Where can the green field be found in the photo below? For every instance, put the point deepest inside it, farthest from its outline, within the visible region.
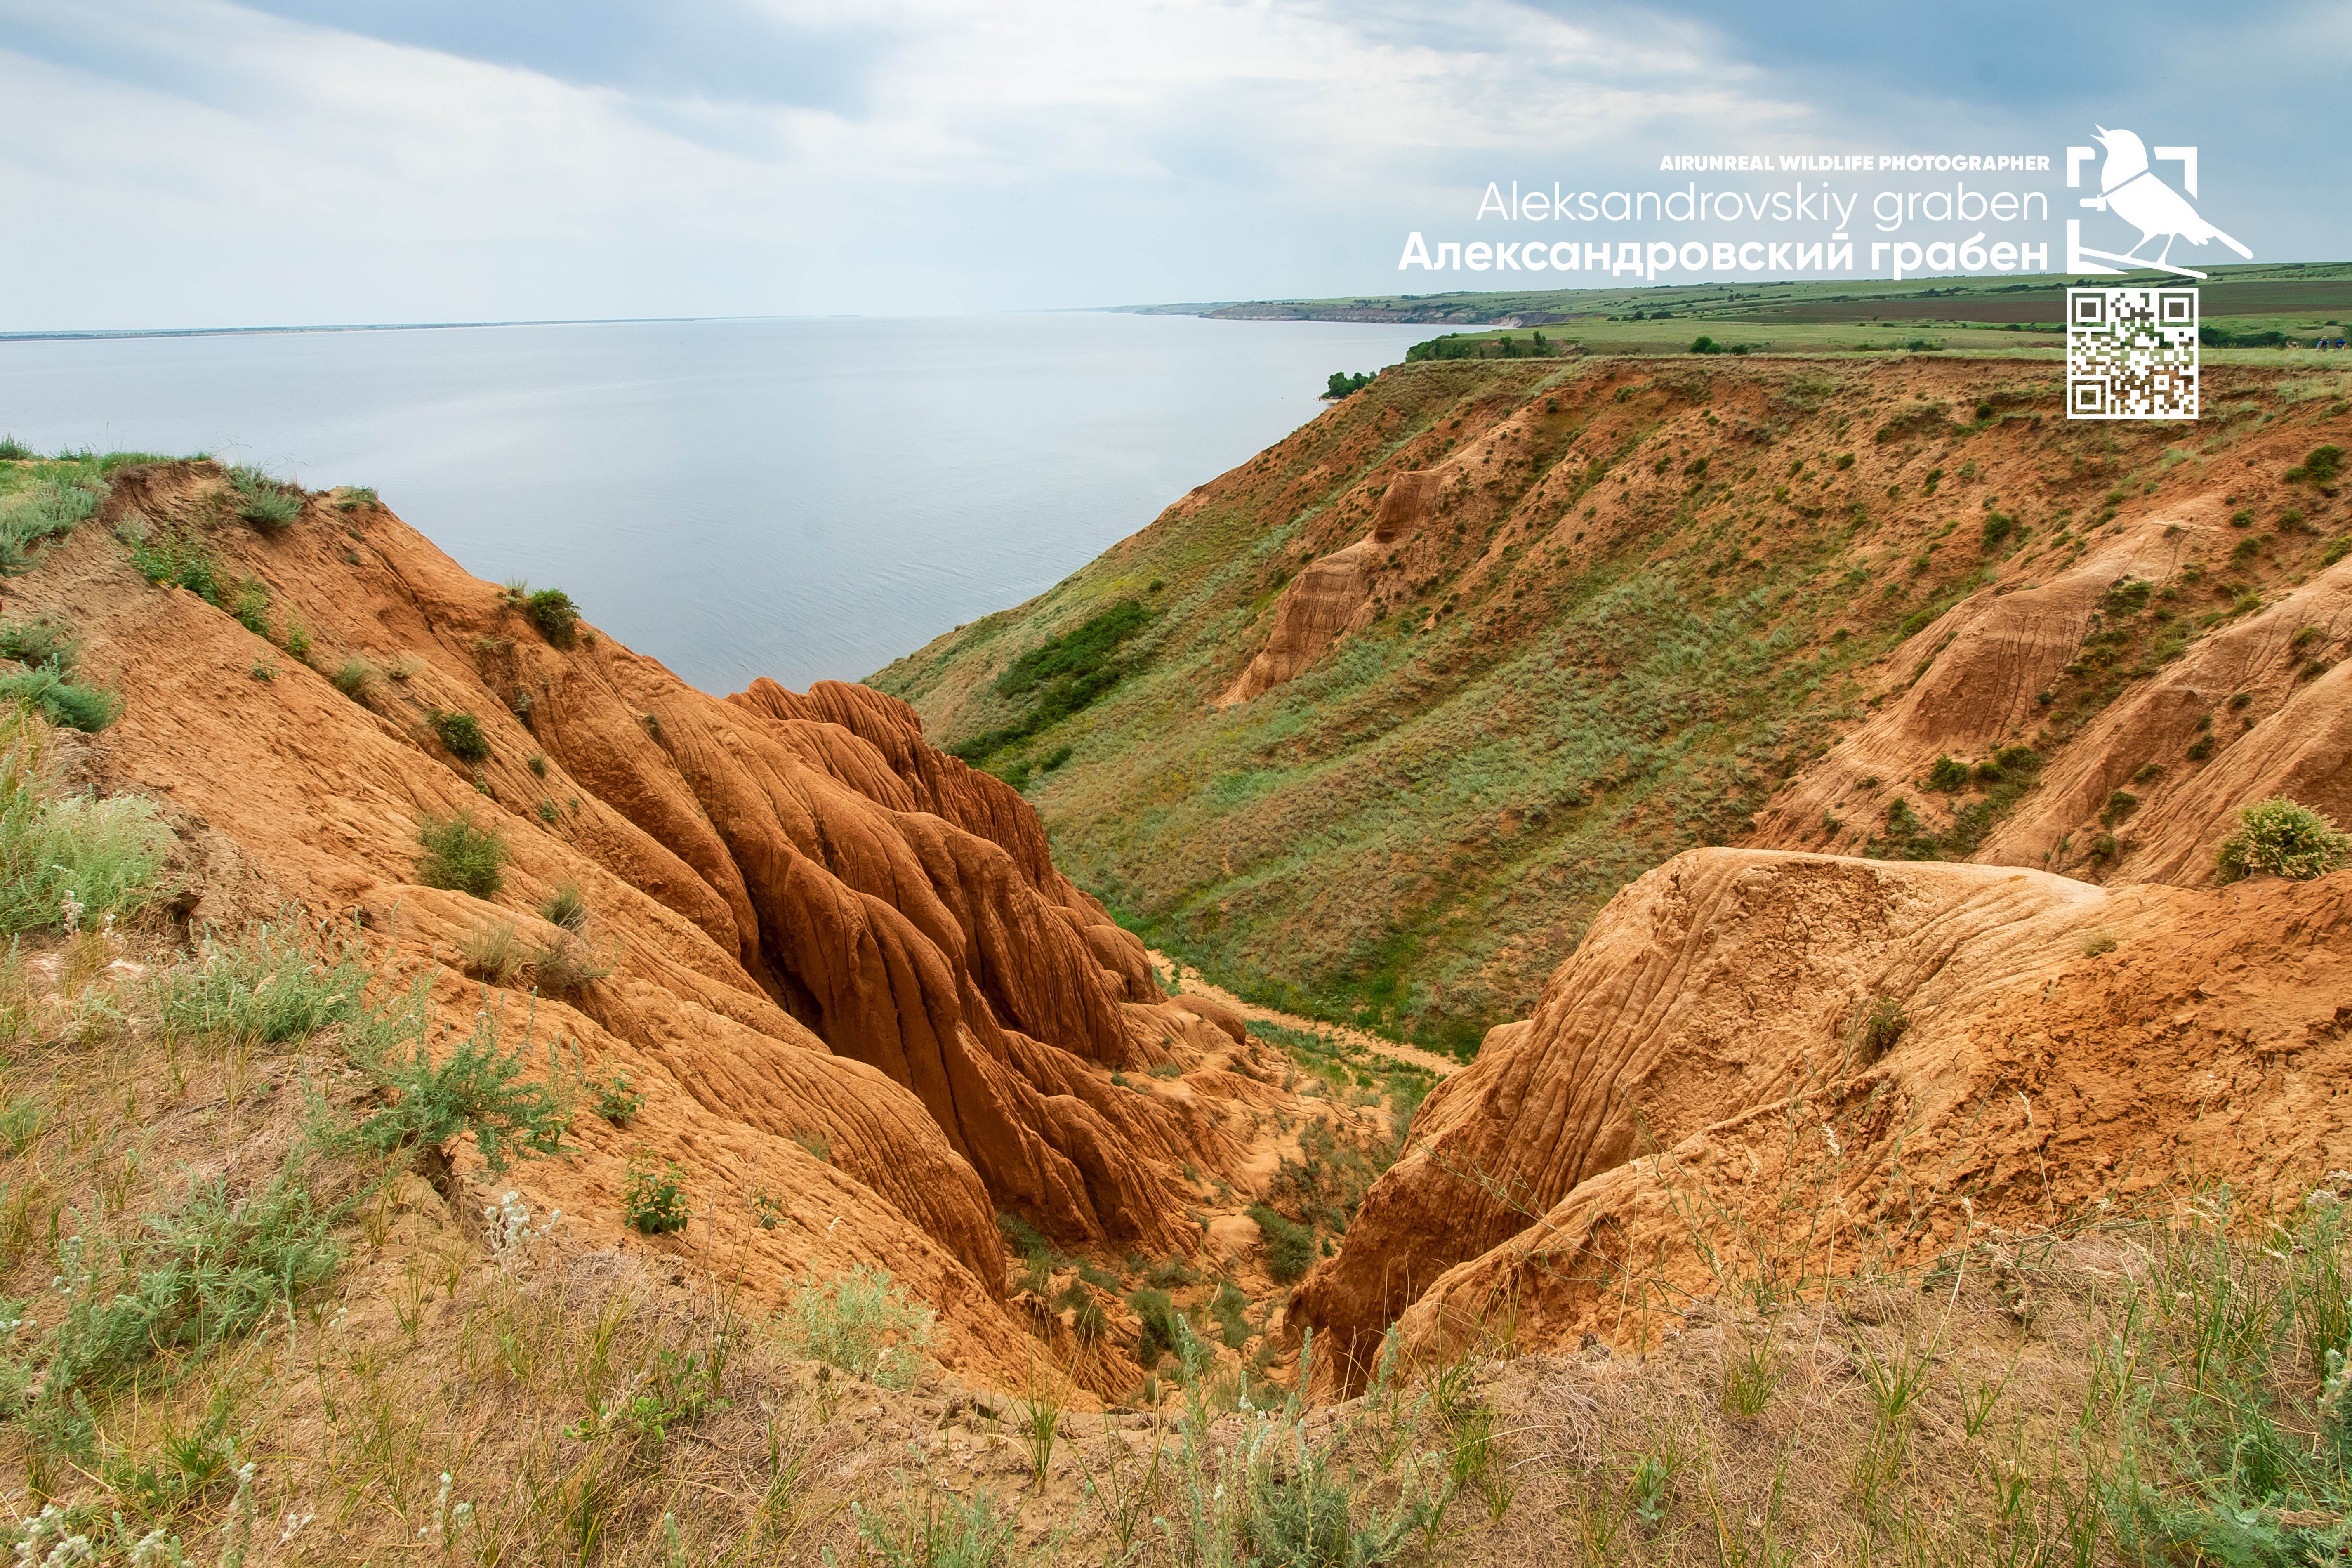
(1833, 316)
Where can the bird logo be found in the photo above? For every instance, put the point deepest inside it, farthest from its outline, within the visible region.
(2130, 188)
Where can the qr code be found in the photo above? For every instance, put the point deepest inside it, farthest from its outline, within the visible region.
(2131, 354)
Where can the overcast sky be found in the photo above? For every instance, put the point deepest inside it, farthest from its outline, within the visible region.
(184, 163)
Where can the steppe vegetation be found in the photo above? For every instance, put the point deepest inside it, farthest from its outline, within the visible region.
(1647, 598)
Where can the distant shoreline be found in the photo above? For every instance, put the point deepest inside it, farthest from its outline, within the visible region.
(99, 334)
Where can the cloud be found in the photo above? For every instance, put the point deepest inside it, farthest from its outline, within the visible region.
(201, 162)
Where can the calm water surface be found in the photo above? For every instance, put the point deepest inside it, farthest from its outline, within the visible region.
(798, 499)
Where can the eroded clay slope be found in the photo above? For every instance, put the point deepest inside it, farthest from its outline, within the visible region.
(1700, 1080)
(844, 971)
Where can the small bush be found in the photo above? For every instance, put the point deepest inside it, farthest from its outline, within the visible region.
(479, 1089)
(560, 966)
(460, 856)
(933, 1533)
(49, 510)
(1157, 1336)
(462, 733)
(489, 952)
(1882, 1024)
(859, 1323)
(270, 988)
(172, 558)
(652, 1201)
(1228, 1309)
(2319, 468)
(1947, 775)
(14, 451)
(554, 613)
(269, 505)
(41, 641)
(616, 1101)
(2283, 838)
(565, 907)
(59, 700)
(353, 676)
(270, 511)
(1087, 1320)
(208, 1272)
(1289, 1246)
(69, 860)
(351, 497)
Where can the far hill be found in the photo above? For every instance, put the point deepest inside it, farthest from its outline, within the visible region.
(2240, 301)
(1373, 725)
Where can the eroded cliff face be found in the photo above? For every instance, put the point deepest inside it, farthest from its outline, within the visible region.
(845, 971)
(1702, 1091)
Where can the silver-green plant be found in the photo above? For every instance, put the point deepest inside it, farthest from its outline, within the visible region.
(860, 1323)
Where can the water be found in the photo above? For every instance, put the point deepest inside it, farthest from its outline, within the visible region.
(797, 498)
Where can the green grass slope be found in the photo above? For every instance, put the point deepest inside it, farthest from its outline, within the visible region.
(1649, 593)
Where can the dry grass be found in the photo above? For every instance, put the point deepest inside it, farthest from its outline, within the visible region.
(2090, 1398)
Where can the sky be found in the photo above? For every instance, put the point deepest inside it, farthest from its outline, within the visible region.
(200, 163)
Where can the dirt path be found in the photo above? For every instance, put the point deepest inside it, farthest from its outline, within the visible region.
(1192, 981)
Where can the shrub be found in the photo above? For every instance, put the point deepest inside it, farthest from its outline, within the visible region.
(1882, 1024)
(47, 510)
(73, 858)
(268, 505)
(2285, 840)
(1157, 1335)
(59, 700)
(1228, 1309)
(208, 1272)
(14, 451)
(1088, 1322)
(269, 512)
(480, 1088)
(554, 613)
(488, 953)
(353, 676)
(1289, 1246)
(41, 641)
(615, 1100)
(859, 1323)
(565, 907)
(1947, 775)
(2319, 468)
(172, 558)
(932, 1533)
(652, 1201)
(460, 856)
(462, 733)
(351, 497)
(270, 988)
